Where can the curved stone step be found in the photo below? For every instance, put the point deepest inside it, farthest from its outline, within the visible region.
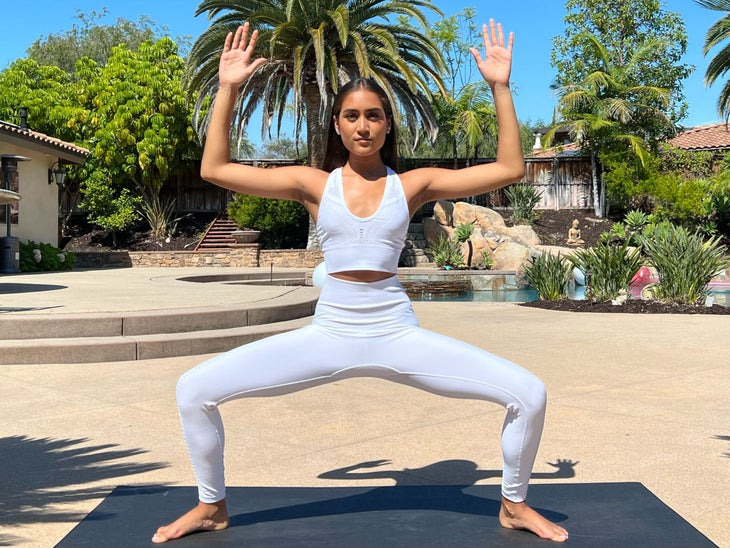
(147, 322)
(137, 347)
(147, 334)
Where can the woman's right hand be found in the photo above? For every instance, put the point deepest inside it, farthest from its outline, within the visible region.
(236, 63)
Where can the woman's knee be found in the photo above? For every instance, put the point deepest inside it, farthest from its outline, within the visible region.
(534, 395)
(191, 391)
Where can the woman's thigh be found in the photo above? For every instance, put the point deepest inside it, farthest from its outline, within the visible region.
(276, 365)
(453, 368)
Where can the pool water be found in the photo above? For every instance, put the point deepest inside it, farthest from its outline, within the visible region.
(522, 295)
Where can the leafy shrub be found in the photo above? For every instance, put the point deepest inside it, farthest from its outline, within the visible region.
(550, 276)
(685, 264)
(40, 257)
(718, 201)
(447, 253)
(107, 207)
(609, 269)
(283, 223)
(680, 200)
(523, 198)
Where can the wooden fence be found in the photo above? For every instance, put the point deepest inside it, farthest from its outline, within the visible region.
(564, 183)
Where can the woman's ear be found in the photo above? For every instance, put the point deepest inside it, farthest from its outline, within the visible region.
(334, 123)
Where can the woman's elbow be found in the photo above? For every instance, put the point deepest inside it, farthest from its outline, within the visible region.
(514, 172)
(207, 172)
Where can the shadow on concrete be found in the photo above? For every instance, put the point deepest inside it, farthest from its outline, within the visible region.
(16, 288)
(723, 438)
(40, 472)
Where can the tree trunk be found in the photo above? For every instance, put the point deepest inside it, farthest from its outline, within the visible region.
(316, 142)
(595, 183)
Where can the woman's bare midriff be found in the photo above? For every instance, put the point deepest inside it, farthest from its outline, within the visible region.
(362, 275)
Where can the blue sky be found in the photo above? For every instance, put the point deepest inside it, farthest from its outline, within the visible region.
(535, 23)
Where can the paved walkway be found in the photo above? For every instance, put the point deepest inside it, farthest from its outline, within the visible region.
(632, 398)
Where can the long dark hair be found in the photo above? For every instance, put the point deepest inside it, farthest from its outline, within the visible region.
(336, 154)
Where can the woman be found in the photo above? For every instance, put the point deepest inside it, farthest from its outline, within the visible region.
(364, 324)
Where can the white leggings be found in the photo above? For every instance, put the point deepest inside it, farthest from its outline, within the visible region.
(366, 330)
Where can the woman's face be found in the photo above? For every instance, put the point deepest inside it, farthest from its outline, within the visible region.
(362, 123)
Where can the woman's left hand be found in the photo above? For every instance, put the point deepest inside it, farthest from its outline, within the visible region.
(497, 63)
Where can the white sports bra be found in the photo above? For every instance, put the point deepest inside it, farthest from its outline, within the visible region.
(350, 242)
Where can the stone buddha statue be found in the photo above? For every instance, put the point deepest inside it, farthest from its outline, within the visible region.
(574, 236)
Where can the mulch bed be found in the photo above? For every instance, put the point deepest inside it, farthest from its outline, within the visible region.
(631, 306)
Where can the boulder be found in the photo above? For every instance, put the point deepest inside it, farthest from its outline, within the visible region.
(443, 213)
(511, 256)
(433, 230)
(522, 234)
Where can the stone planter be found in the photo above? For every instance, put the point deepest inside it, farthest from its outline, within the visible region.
(245, 236)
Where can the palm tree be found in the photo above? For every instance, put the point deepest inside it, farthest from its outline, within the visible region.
(467, 120)
(313, 48)
(720, 63)
(607, 111)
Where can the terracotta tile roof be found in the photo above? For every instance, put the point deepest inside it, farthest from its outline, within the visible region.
(568, 149)
(716, 136)
(34, 139)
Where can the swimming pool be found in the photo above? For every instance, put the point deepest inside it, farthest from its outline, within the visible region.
(719, 296)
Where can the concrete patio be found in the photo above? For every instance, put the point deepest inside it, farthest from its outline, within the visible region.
(632, 398)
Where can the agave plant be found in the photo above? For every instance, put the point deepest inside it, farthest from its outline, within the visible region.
(550, 276)
(685, 263)
(447, 253)
(463, 234)
(523, 198)
(609, 269)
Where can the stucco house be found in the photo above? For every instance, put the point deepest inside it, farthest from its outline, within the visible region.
(29, 159)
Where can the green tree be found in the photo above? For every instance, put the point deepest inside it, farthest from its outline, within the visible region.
(720, 63)
(47, 92)
(90, 38)
(624, 27)
(607, 111)
(135, 120)
(132, 115)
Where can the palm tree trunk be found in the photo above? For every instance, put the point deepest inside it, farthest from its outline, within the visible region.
(316, 144)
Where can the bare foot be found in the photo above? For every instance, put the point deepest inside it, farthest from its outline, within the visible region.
(517, 515)
(204, 517)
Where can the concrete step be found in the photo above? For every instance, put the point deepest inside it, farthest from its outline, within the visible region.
(138, 335)
(138, 347)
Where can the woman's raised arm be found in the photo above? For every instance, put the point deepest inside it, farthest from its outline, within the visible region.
(509, 167)
(236, 66)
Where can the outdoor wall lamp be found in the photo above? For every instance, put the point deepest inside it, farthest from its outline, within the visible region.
(56, 174)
